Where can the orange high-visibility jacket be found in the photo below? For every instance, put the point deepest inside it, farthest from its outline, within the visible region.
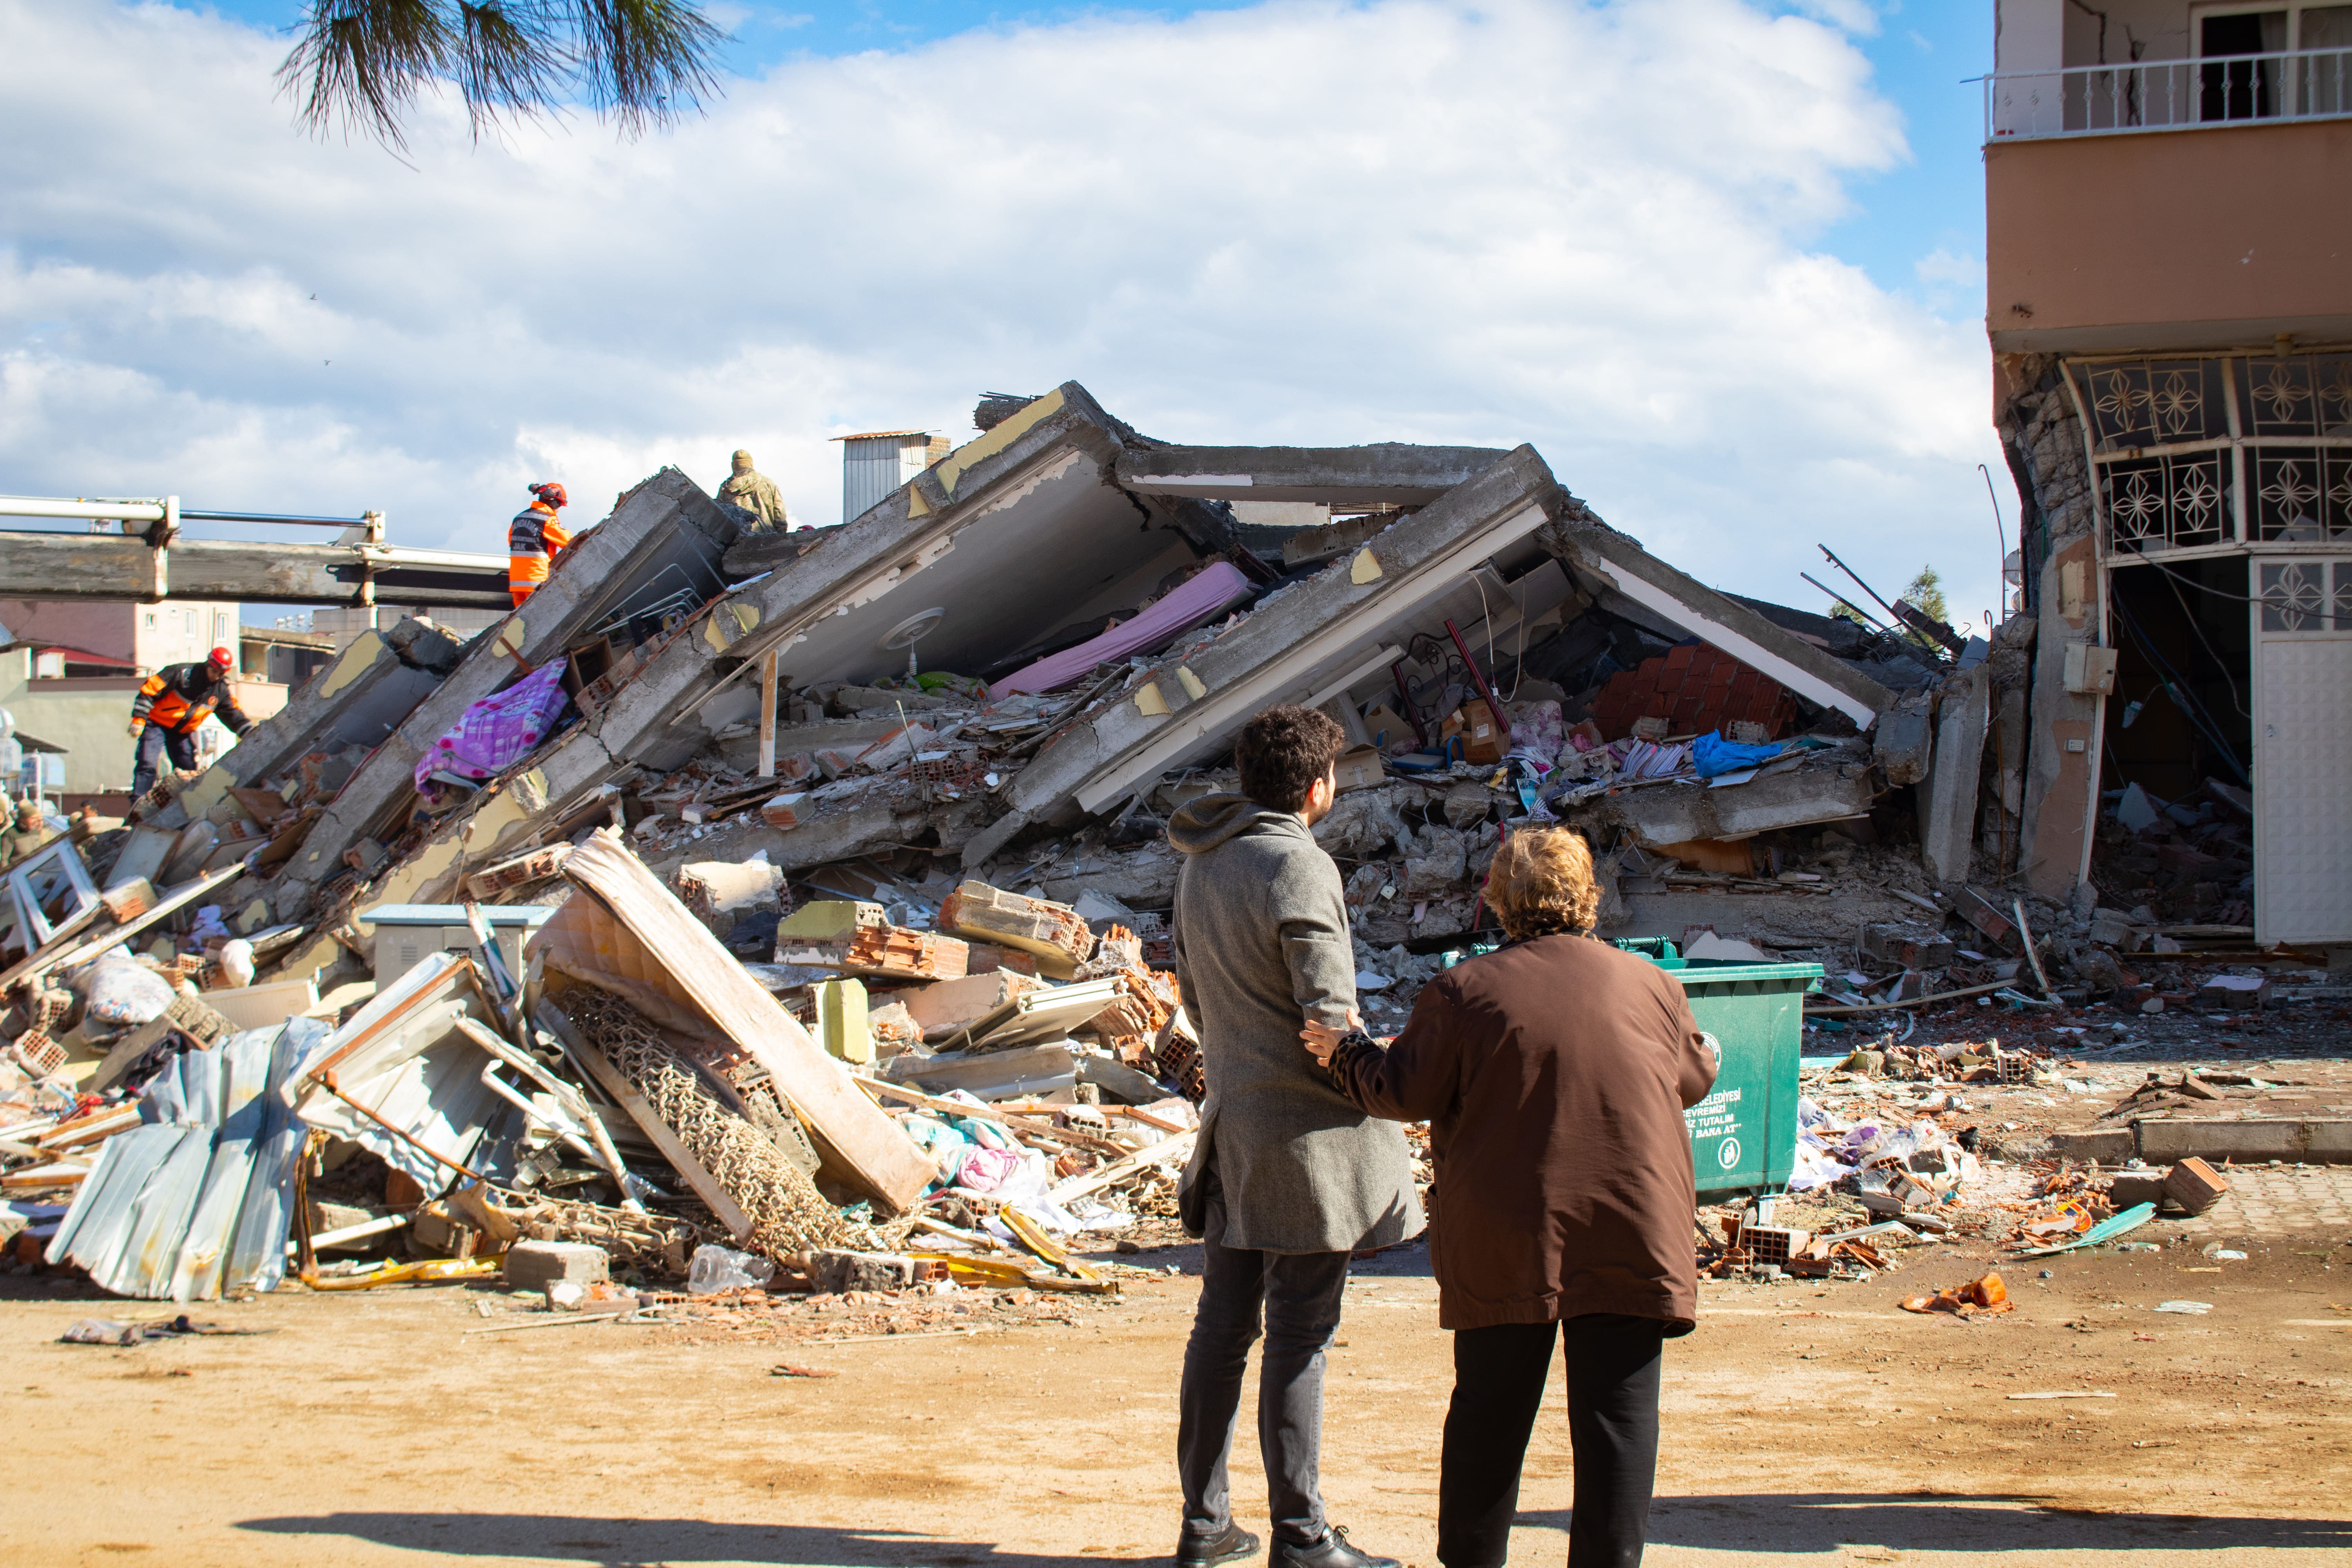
(183, 696)
(533, 540)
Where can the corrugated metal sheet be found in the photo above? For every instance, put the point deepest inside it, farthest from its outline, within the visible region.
(404, 1059)
(197, 1196)
(873, 466)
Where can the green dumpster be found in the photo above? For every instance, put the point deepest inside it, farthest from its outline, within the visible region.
(1744, 1133)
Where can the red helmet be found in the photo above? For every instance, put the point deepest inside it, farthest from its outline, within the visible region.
(222, 658)
(553, 494)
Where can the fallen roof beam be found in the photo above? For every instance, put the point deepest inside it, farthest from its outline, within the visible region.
(1335, 628)
(118, 566)
(1720, 620)
(1390, 473)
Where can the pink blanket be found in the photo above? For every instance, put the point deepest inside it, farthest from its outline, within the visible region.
(1192, 603)
(496, 732)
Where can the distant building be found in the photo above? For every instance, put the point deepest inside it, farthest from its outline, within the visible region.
(70, 668)
(2169, 306)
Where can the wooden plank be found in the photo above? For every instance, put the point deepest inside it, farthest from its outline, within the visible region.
(868, 1145)
(768, 716)
(1072, 1137)
(641, 1111)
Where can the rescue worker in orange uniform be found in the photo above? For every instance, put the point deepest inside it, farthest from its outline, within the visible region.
(172, 706)
(533, 540)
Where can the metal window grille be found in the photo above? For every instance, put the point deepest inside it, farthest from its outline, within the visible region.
(2219, 450)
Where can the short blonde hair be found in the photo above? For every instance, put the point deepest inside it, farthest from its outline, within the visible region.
(1541, 882)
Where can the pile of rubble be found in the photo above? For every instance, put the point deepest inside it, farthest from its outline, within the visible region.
(785, 903)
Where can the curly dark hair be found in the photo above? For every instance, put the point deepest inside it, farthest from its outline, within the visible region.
(1283, 751)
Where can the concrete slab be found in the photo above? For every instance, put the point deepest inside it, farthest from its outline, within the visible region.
(658, 550)
(1388, 472)
(2168, 1139)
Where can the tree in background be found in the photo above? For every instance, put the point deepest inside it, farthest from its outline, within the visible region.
(360, 64)
(1926, 593)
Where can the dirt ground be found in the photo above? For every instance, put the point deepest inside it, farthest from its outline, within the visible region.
(1804, 1423)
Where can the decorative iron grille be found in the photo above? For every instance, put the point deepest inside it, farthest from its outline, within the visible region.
(2196, 453)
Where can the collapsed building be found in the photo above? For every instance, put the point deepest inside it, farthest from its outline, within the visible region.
(788, 880)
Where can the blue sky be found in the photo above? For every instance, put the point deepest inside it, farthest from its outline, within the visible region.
(1920, 52)
(1718, 261)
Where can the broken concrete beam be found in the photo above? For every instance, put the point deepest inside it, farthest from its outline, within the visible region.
(1052, 931)
(358, 698)
(536, 1264)
(1385, 473)
(946, 1006)
(662, 537)
(1948, 804)
(719, 893)
(1903, 742)
(1338, 627)
(1682, 812)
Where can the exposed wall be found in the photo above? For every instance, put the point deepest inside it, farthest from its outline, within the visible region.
(2169, 239)
(2044, 438)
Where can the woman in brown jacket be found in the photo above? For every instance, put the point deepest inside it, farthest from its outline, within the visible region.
(1554, 1073)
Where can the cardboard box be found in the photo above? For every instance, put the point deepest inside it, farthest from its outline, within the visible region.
(1389, 728)
(1359, 767)
(1482, 739)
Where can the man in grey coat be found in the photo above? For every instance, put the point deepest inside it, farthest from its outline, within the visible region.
(1288, 1177)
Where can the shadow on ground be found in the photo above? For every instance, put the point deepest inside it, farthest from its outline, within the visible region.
(1755, 1525)
(635, 1542)
(1798, 1523)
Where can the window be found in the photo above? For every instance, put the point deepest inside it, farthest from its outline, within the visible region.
(2235, 88)
(220, 625)
(2188, 453)
(188, 622)
(150, 620)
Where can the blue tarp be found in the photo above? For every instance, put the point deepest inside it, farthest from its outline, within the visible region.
(1712, 755)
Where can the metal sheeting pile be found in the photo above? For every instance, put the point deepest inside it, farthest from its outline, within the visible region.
(195, 1199)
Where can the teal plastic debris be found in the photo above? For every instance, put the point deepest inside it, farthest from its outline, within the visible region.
(2130, 1219)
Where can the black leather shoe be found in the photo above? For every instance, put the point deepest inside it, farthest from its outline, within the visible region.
(1233, 1545)
(1332, 1551)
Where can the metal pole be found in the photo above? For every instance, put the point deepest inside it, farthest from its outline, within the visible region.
(768, 715)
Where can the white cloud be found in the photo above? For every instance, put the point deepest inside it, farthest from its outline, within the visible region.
(1940, 269)
(1309, 221)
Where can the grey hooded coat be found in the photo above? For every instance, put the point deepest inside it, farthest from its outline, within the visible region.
(1261, 944)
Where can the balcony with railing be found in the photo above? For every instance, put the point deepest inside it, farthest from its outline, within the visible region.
(2147, 95)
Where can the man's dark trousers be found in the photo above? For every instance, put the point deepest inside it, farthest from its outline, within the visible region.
(1299, 1297)
(154, 744)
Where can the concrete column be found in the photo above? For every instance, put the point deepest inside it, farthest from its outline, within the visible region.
(1947, 798)
(2063, 764)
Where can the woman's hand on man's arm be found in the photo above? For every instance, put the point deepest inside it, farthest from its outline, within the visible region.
(1322, 1039)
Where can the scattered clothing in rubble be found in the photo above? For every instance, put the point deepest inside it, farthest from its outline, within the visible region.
(496, 732)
